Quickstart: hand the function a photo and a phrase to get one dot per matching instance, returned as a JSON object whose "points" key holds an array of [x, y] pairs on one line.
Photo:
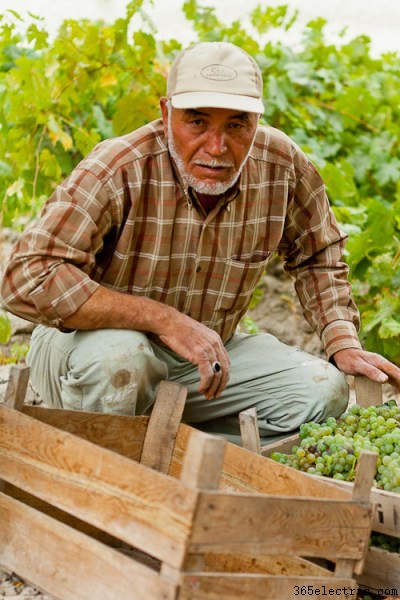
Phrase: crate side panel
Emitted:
{"points": [[279, 525], [245, 471], [144, 508], [381, 571], [69, 564], [119, 433], [59, 515], [257, 587], [386, 505]]}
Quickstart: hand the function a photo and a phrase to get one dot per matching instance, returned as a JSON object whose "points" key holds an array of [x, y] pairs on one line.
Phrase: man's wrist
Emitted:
{"points": [[339, 335]]}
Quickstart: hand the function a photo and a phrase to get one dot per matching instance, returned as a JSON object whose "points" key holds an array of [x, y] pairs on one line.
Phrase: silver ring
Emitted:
{"points": [[216, 367]]}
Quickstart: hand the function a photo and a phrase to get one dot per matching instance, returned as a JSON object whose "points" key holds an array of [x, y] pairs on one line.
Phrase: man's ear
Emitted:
{"points": [[164, 113]]}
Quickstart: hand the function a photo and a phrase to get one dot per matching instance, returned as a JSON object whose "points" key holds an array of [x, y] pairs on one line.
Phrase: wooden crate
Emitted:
{"points": [[114, 507], [382, 568]]}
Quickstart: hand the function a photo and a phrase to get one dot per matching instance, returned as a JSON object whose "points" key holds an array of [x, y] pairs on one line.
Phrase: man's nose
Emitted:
{"points": [[216, 143]]}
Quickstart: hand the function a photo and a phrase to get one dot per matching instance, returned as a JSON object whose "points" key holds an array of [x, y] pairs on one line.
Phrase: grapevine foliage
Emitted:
{"points": [[61, 95]]}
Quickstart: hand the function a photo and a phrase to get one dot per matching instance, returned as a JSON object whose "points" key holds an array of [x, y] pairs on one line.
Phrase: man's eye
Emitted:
{"points": [[235, 125], [197, 122]]}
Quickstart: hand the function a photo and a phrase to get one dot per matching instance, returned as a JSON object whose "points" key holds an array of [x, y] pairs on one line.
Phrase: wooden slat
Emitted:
{"points": [[271, 565], [119, 433], [280, 525], [284, 445], [249, 430], [368, 392], [69, 564], [200, 586], [201, 470], [54, 512], [17, 385], [365, 473], [203, 461], [246, 471], [386, 507], [381, 570], [163, 426], [133, 503]]}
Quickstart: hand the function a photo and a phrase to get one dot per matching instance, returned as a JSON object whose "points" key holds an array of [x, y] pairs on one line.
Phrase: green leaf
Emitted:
{"points": [[5, 328], [388, 171], [389, 329]]}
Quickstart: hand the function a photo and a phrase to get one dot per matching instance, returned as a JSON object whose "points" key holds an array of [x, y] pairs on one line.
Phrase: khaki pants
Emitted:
{"points": [[118, 371]]}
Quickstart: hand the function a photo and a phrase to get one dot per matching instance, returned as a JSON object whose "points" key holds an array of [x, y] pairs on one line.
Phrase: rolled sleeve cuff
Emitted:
{"points": [[71, 294], [339, 335]]}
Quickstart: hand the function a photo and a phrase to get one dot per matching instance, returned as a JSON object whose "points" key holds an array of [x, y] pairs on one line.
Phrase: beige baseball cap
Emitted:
{"points": [[216, 75]]}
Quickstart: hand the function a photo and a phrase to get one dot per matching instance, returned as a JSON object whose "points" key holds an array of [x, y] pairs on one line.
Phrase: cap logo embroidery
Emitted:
{"points": [[218, 73]]}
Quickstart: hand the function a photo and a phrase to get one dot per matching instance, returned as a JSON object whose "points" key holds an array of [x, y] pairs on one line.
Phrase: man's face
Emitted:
{"points": [[209, 145]]}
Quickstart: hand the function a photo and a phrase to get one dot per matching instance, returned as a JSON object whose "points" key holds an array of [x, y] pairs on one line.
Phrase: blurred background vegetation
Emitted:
{"points": [[61, 94]]}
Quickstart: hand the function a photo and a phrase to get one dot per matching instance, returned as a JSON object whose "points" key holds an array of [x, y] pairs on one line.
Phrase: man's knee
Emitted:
{"points": [[329, 391], [112, 371]]}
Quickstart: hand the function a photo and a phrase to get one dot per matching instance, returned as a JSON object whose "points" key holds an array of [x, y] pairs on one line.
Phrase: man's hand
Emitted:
{"points": [[202, 347], [374, 366], [193, 341]]}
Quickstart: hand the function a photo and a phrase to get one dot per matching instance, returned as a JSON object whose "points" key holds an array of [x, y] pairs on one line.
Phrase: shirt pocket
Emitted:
{"points": [[239, 282]]}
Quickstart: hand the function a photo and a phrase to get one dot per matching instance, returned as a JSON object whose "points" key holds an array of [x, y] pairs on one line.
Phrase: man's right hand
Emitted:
{"points": [[201, 346]]}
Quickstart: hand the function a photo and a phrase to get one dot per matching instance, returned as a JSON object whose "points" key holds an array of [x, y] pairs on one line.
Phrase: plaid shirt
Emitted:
{"points": [[125, 220]]}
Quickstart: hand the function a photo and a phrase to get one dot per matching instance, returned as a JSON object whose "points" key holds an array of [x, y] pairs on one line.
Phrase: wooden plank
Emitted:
{"points": [[345, 568], [368, 392], [249, 430], [143, 508], [120, 433], [200, 586], [280, 525], [381, 570], [163, 426], [246, 471], [17, 385], [63, 517], [271, 565], [365, 473], [285, 445], [203, 463], [68, 564], [201, 470], [386, 507]]}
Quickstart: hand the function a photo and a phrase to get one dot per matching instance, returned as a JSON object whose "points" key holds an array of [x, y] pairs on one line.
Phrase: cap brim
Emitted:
{"points": [[217, 100]]}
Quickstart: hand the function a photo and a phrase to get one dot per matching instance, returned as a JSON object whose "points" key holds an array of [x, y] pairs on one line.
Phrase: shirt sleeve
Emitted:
{"points": [[49, 275], [312, 249]]}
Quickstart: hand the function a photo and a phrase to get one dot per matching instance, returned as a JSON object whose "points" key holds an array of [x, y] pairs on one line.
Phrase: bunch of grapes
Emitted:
{"points": [[332, 449]]}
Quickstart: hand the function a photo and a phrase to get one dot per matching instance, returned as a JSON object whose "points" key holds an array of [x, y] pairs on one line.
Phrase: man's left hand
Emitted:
{"points": [[353, 361]]}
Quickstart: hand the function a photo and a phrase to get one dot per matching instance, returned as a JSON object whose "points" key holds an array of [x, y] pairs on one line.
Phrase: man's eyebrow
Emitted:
{"points": [[242, 116], [194, 112]]}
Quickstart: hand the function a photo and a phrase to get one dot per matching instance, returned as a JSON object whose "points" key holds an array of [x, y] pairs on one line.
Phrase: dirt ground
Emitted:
{"points": [[278, 312]]}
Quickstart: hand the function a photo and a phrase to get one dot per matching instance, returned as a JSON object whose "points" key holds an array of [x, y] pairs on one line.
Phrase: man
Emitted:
{"points": [[145, 259]]}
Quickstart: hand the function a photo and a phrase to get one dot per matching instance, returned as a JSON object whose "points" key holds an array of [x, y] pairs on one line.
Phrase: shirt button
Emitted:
{"points": [[198, 269]]}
